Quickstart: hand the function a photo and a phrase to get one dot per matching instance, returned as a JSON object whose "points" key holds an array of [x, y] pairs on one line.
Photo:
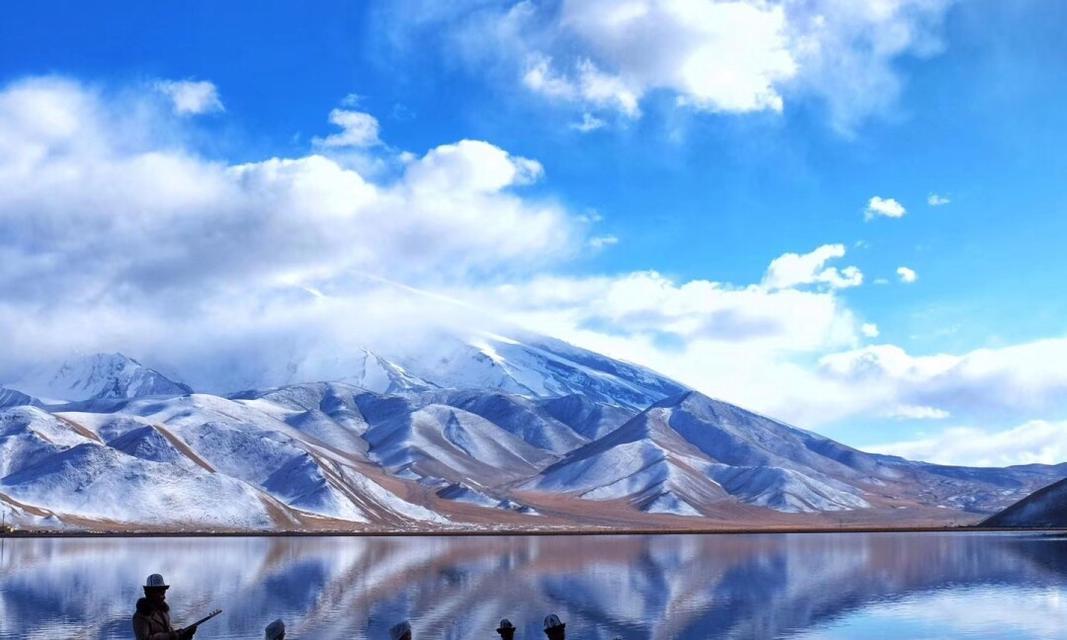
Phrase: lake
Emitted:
{"points": [[803, 586]]}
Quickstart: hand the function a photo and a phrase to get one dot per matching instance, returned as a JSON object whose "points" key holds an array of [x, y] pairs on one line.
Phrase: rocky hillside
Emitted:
{"points": [[1046, 507]]}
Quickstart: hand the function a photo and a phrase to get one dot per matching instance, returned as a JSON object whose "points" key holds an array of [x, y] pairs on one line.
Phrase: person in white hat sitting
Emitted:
{"points": [[506, 630], [275, 630], [554, 628], [151, 620], [400, 631]]}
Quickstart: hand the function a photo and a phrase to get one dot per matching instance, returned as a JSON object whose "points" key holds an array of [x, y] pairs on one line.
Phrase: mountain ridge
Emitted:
{"points": [[425, 456]]}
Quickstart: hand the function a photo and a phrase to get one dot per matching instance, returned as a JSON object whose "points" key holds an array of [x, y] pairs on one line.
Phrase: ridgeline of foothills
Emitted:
{"points": [[498, 434]]}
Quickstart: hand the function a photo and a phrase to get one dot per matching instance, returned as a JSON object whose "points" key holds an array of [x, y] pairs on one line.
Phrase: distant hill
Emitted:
{"points": [[1046, 507]]}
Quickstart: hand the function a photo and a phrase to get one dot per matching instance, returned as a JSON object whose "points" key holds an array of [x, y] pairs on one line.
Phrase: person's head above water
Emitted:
{"points": [[506, 629], [554, 627], [400, 631], [275, 630], [155, 588]]}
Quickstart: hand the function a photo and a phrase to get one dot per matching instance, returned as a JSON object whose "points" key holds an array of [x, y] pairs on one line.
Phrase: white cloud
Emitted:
{"points": [[733, 56], [588, 84], [352, 100], [935, 200], [191, 97], [885, 207], [683, 47], [105, 223], [599, 242], [991, 385], [918, 412], [358, 129], [792, 269], [907, 276], [588, 123], [1035, 441], [869, 330], [848, 51], [470, 167]]}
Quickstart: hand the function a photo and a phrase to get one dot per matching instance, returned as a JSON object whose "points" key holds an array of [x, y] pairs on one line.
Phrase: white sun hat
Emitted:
{"points": [[275, 630], [156, 581]]}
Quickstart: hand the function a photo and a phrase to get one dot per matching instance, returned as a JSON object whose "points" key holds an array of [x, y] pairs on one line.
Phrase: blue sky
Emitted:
{"points": [[700, 179]]}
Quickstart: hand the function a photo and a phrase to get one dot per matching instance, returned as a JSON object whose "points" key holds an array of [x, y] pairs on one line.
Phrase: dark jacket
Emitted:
{"points": [[151, 622]]}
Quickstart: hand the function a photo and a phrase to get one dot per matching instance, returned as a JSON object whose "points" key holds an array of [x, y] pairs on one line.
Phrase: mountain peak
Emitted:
{"points": [[97, 376]]}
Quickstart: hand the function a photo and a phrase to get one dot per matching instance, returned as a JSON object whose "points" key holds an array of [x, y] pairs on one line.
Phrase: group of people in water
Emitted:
{"points": [[151, 620]]}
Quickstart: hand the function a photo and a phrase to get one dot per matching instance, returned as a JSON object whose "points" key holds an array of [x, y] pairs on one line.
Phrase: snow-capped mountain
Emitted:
{"points": [[690, 451], [96, 376], [537, 366], [529, 435], [12, 398], [519, 364]]}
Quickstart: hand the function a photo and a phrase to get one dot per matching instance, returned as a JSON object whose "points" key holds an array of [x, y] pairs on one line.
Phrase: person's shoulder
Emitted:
{"points": [[144, 608]]}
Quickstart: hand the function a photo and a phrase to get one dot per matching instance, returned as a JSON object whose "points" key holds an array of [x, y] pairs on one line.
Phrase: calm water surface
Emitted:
{"points": [[808, 587]]}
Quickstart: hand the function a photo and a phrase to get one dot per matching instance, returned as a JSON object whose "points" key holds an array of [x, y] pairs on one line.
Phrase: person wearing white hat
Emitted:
{"points": [[275, 630], [506, 630], [400, 631], [151, 620], [554, 628]]}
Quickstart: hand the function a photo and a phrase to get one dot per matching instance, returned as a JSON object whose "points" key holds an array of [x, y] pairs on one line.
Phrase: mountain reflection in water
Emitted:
{"points": [[673, 586]]}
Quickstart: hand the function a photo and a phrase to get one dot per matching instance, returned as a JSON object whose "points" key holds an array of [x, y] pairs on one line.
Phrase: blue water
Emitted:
{"points": [[803, 586]]}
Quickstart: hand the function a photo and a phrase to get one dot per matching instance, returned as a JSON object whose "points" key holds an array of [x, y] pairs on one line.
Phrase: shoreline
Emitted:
{"points": [[512, 533]]}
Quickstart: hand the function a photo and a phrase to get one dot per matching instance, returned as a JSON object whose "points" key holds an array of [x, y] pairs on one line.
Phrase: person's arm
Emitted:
{"points": [[141, 631]]}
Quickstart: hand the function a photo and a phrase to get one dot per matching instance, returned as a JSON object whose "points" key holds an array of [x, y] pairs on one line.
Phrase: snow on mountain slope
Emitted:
{"points": [[325, 411], [523, 364], [733, 436], [106, 376], [786, 490], [536, 366], [245, 440], [1046, 507], [439, 441], [642, 461], [374, 373], [29, 434], [463, 493], [588, 419], [12, 398], [301, 482], [96, 481], [164, 441], [692, 450], [519, 416], [147, 443]]}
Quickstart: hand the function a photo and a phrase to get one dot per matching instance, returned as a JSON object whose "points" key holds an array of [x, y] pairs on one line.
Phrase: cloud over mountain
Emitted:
{"points": [[111, 221], [121, 235]]}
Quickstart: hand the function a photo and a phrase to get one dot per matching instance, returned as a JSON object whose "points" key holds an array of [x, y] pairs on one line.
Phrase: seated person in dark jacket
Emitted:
{"points": [[275, 630], [151, 621], [506, 630], [554, 628]]}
